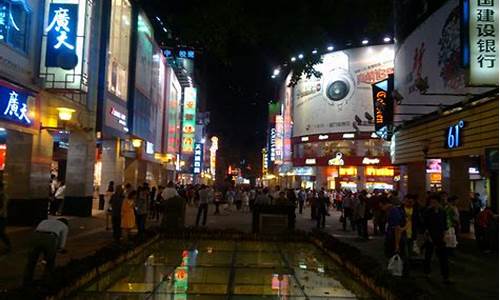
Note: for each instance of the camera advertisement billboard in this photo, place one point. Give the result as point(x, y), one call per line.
point(330, 103)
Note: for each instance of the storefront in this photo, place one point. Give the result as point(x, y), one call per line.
point(452, 151)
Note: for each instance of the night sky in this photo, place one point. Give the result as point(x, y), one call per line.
point(240, 42)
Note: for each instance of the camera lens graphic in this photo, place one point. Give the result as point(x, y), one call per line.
point(337, 90)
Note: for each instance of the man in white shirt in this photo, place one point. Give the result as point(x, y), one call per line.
point(169, 192)
point(50, 236)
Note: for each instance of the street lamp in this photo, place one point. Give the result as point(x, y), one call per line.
point(65, 114)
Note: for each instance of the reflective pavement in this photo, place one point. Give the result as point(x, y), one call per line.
point(204, 269)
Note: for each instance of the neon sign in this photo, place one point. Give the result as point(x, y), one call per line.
point(453, 135)
point(14, 106)
point(198, 158)
point(370, 161)
point(337, 160)
point(189, 120)
point(61, 36)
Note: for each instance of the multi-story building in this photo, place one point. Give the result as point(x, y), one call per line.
point(324, 134)
point(446, 109)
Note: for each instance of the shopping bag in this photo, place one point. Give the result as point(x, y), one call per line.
point(395, 266)
point(450, 238)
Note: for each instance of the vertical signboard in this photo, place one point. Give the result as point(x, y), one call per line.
point(63, 62)
point(213, 154)
point(198, 158)
point(278, 152)
point(188, 120)
point(272, 145)
point(264, 162)
point(483, 41)
point(383, 107)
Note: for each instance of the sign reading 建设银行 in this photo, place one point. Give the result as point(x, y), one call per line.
point(483, 41)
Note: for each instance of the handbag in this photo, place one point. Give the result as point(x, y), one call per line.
point(450, 238)
point(395, 265)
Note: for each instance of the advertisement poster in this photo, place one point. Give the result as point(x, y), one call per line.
point(434, 59)
point(329, 104)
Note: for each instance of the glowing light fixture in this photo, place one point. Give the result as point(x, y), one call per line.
point(293, 58)
point(387, 39)
point(136, 143)
point(276, 72)
point(301, 56)
point(330, 48)
point(65, 114)
point(364, 42)
point(314, 51)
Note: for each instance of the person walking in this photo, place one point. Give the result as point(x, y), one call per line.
point(49, 238)
point(322, 209)
point(4, 205)
point(312, 199)
point(262, 197)
point(302, 199)
point(59, 198)
point(464, 209)
point(435, 226)
point(169, 191)
point(204, 194)
point(348, 207)
point(360, 212)
point(116, 203)
point(127, 213)
point(107, 202)
point(245, 198)
point(141, 210)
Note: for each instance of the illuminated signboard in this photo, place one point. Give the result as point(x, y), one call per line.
point(264, 162)
point(65, 45)
point(272, 145)
point(311, 161)
point(483, 38)
point(383, 108)
point(188, 120)
point(198, 158)
point(453, 138)
point(278, 152)
point(370, 161)
point(15, 106)
point(213, 154)
point(337, 160)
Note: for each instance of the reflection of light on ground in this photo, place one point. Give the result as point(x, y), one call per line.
point(256, 269)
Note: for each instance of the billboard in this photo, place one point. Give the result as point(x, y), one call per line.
point(198, 158)
point(330, 103)
point(189, 120)
point(432, 54)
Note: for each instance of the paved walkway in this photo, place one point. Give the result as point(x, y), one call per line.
point(475, 274)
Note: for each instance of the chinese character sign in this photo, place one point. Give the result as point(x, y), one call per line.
point(483, 42)
point(8, 24)
point(14, 106)
point(278, 141)
point(62, 35)
point(198, 158)
point(188, 120)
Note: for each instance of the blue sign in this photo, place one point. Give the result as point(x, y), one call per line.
point(198, 158)
point(454, 135)
point(61, 36)
point(14, 106)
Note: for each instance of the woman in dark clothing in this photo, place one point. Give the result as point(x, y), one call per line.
point(322, 209)
point(116, 211)
point(435, 227)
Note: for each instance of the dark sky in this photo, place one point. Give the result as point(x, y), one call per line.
point(240, 43)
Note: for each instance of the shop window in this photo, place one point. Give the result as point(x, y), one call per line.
point(119, 48)
point(14, 24)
